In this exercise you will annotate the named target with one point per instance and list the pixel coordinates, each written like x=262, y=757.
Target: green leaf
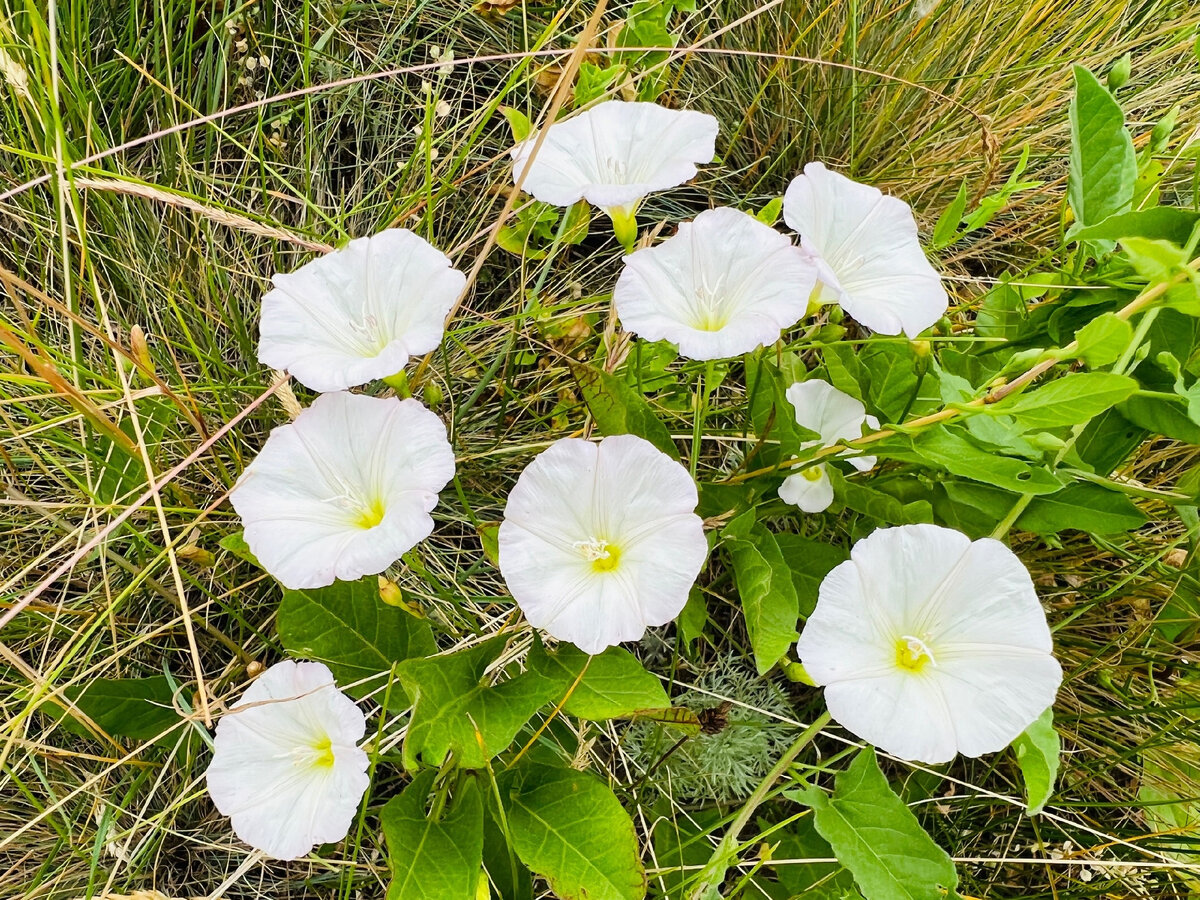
x=455, y=710
x=892, y=378
x=236, y=544
x=1107, y=440
x=1165, y=417
x=1084, y=506
x=809, y=561
x=1067, y=401
x=615, y=683
x=877, y=504
x=136, y=708
x=619, y=409
x=433, y=859
x=518, y=122
x=568, y=827
x=950, y=450
x=694, y=617
x=769, y=214
x=764, y=583
x=1103, y=166
x=811, y=881
x=945, y=232
x=1165, y=223
x=876, y=837
x=350, y=629
x=772, y=413
x=593, y=82
x=1103, y=340
x=1160, y=262
x=1037, y=749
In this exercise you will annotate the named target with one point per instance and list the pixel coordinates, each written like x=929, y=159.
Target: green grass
x=912, y=101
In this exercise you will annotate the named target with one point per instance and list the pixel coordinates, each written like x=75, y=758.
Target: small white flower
x=286, y=767
x=616, y=153
x=345, y=490
x=360, y=312
x=601, y=541
x=836, y=417
x=724, y=284
x=929, y=644
x=866, y=247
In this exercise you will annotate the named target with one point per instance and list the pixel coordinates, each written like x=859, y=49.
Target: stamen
x=913, y=654
x=600, y=553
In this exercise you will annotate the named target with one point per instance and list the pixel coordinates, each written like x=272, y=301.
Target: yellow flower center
x=711, y=320
x=323, y=754
x=371, y=515
x=812, y=473
x=603, y=556
x=913, y=654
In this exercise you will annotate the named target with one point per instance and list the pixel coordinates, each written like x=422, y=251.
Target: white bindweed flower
x=360, y=312
x=286, y=766
x=601, y=541
x=836, y=417
x=724, y=284
x=929, y=644
x=866, y=249
x=345, y=490
x=614, y=154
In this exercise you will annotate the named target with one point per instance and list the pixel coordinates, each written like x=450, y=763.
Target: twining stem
x=714, y=871
x=997, y=394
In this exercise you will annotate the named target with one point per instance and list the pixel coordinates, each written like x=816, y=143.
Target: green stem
x=704, y=383
x=714, y=871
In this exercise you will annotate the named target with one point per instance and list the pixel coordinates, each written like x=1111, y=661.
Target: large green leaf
x=892, y=378
x=137, y=708
x=876, y=837
x=454, y=710
x=1159, y=223
x=1083, y=506
x=951, y=450
x=615, y=684
x=1068, y=400
x=809, y=561
x=350, y=629
x=568, y=827
x=1037, y=749
x=764, y=583
x=1102, y=340
x=619, y=409
x=1103, y=166
x=434, y=859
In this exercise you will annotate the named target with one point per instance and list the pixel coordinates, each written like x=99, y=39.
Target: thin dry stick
x=212, y=213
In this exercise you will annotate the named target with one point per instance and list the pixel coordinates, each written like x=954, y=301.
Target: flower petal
x=285, y=767
x=869, y=243
x=615, y=153
x=724, y=284
x=833, y=414
x=573, y=503
x=811, y=494
x=360, y=312
x=345, y=490
x=983, y=669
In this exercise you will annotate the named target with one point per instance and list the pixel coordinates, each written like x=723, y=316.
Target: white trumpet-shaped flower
x=601, y=541
x=836, y=417
x=614, y=154
x=724, y=284
x=344, y=490
x=286, y=767
x=929, y=644
x=866, y=249
x=358, y=313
